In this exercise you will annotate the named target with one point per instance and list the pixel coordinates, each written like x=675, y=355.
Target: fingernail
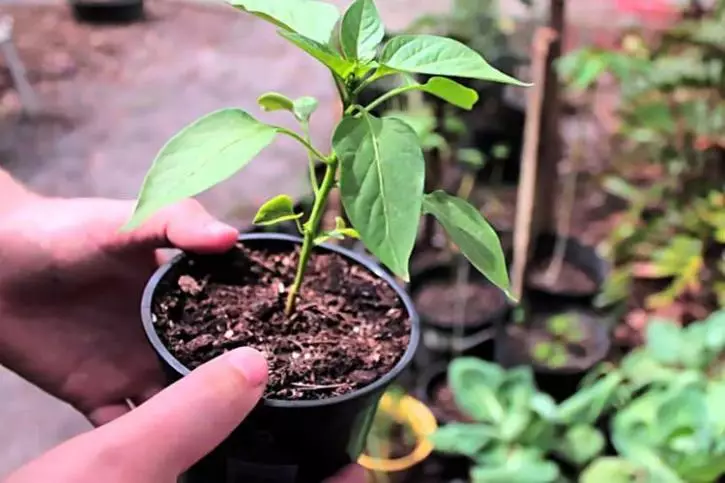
x=218, y=228
x=251, y=363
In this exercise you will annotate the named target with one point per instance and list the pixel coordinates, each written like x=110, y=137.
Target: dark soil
x=444, y=404
x=349, y=329
x=439, y=301
x=571, y=279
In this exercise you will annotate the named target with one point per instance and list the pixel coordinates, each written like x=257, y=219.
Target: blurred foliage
x=671, y=429
x=480, y=25
x=673, y=116
x=518, y=433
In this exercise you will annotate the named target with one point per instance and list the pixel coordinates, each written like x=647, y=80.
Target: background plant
x=670, y=427
x=377, y=163
x=672, y=115
x=518, y=431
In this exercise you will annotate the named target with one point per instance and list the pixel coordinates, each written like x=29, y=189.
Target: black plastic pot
x=583, y=257
x=286, y=441
x=446, y=467
x=560, y=382
x=107, y=11
x=474, y=337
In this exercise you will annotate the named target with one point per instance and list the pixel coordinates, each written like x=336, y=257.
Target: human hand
x=70, y=291
x=196, y=413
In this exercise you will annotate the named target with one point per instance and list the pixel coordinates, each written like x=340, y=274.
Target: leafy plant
x=671, y=426
x=671, y=351
x=676, y=431
x=376, y=163
x=517, y=429
x=564, y=330
x=672, y=116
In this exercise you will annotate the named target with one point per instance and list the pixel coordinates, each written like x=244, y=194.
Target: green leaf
x=474, y=384
x=589, y=403
x=339, y=233
x=434, y=55
x=451, y=91
x=331, y=59
x=581, y=444
x=476, y=239
x=361, y=30
x=610, y=470
x=201, y=155
x=664, y=341
x=278, y=209
x=273, y=101
x=302, y=108
x=521, y=465
x=309, y=18
x=460, y=438
x=381, y=183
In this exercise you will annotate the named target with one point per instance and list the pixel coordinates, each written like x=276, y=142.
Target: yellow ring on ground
x=419, y=419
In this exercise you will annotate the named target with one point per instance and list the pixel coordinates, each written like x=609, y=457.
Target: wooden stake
x=526, y=197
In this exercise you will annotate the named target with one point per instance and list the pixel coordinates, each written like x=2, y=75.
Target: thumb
x=163, y=437
x=185, y=225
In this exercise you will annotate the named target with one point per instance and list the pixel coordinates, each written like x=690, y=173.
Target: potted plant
x=336, y=328
x=561, y=345
x=515, y=432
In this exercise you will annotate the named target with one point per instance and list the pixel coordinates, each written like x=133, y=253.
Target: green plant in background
x=671, y=426
x=672, y=114
x=564, y=329
x=671, y=351
x=376, y=163
x=518, y=430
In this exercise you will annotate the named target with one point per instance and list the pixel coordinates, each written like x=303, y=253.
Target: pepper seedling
x=377, y=163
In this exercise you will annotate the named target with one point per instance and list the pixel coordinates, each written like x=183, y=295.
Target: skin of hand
x=70, y=291
x=196, y=413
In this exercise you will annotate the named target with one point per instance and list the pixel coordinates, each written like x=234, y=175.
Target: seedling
x=376, y=163
x=564, y=331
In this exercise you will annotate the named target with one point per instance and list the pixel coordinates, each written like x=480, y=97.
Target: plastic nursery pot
x=107, y=11
x=516, y=345
x=581, y=278
x=435, y=295
x=415, y=415
x=282, y=441
x=432, y=389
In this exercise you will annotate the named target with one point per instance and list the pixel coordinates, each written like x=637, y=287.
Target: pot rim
x=407, y=357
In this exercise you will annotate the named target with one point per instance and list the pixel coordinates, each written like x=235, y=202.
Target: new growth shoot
x=376, y=163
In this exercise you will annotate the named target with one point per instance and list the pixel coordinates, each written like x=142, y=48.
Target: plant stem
x=310, y=159
x=311, y=229
x=465, y=189
x=310, y=148
x=392, y=93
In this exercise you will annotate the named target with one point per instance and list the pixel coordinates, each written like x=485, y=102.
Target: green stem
x=392, y=93
x=311, y=229
x=310, y=148
x=310, y=159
